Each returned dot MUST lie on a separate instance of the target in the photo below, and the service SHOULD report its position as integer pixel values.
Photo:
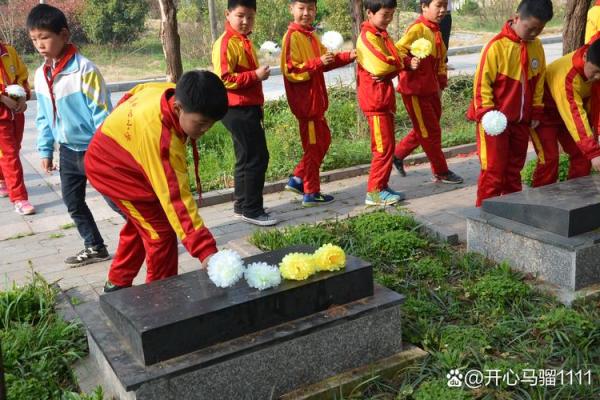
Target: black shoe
(89, 255)
(111, 287)
(261, 220)
(449, 177)
(399, 164)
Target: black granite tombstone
(184, 313)
(566, 208)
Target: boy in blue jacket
(73, 101)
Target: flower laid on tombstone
(494, 122)
(15, 92)
(329, 258)
(421, 48)
(225, 268)
(332, 40)
(297, 266)
(261, 276)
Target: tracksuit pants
(502, 158)
(425, 113)
(316, 138)
(11, 169)
(252, 158)
(382, 150)
(147, 235)
(545, 140)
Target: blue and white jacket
(82, 104)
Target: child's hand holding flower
(414, 63)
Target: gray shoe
(89, 255)
(262, 220)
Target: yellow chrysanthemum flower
(330, 258)
(421, 48)
(297, 266)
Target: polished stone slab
(262, 365)
(185, 313)
(566, 208)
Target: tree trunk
(356, 10)
(169, 36)
(212, 16)
(575, 21)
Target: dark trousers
(446, 28)
(73, 183)
(252, 158)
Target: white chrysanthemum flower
(261, 275)
(15, 91)
(225, 268)
(270, 48)
(332, 40)
(494, 123)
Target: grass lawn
(38, 346)
(466, 312)
(348, 147)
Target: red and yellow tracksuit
(12, 71)
(235, 62)
(592, 27)
(566, 121)
(592, 33)
(138, 159)
(421, 91)
(510, 79)
(378, 57)
(307, 96)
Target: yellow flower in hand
(297, 266)
(421, 48)
(330, 258)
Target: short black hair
(232, 4)
(48, 18)
(593, 53)
(425, 2)
(376, 5)
(202, 92)
(540, 9)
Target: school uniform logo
(535, 63)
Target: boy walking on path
(510, 79)
(421, 91)
(138, 159)
(72, 103)
(567, 118)
(303, 61)
(378, 63)
(12, 124)
(235, 62)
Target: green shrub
(438, 389)
(114, 21)
(499, 287)
(395, 246)
(469, 7)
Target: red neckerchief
(389, 44)
(253, 64)
(435, 28)
(509, 33)
(5, 78)
(171, 121)
(598, 2)
(579, 60)
(51, 73)
(308, 32)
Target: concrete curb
(226, 195)
(127, 85)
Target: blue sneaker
(294, 186)
(382, 198)
(317, 199)
(396, 193)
